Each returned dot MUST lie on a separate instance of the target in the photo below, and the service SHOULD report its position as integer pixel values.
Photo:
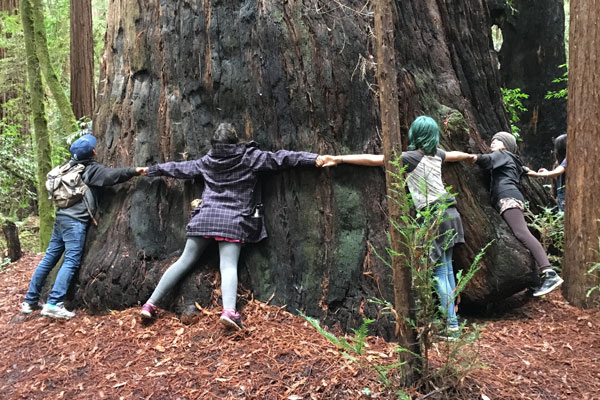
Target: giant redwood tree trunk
(295, 75)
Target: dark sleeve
(441, 154)
(184, 169)
(411, 159)
(485, 161)
(101, 175)
(260, 160)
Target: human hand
(543, 172)
(142, 170)
(472, 159)
(327, 161)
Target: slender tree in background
(41, 46)
(582, 225)
(392, 146)
(82, 59)
(10, 6)
(38, 112)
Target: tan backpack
(65, 185)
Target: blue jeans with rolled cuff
(68, 236)
(445, 285)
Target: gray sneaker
(550, 281)
(57, 311)
(27, 308)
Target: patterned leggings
(229, 253)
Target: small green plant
(353, 348)
(595, 270)
(550, 224)
(513, 105)
(562, 93)
(419, 231)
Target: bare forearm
(454, 156)
(370, 160)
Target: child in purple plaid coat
(228, 214)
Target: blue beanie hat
(83, 148)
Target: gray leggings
(229, 253)
(516, 220)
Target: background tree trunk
(294, 75)
(582, 217)
(67, 117)
(385, 18)
(82, 59)
(532, 50)
(10, 6)
(38, 112)
(13, 244)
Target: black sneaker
(550, 281)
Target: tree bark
(392, 147)
(532, 51)
(296, 75)
(11, 234)
(82, 59)
(582, 214)
(67, 117)
(41, 139)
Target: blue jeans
(68, 236)
(560, 198)
(445, 286)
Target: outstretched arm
(453, 156)
(369, 160)
(530, 172)
(543, 172)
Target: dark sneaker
(27, 308)
(231, 319)
(550, 281)
(57, 311)
(149, 311)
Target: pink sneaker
(231, 319)
(149, 311)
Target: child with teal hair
(423, 164)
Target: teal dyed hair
(424, 134)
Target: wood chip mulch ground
(544, 349)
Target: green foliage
(562, 93)
(18, 194)
(513, 106)
(550, 224)
(594, 271)
(510, 4)
(354, 349)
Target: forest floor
(538, 349)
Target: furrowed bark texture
(295, 75)
(82, 59)
(582, 214)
